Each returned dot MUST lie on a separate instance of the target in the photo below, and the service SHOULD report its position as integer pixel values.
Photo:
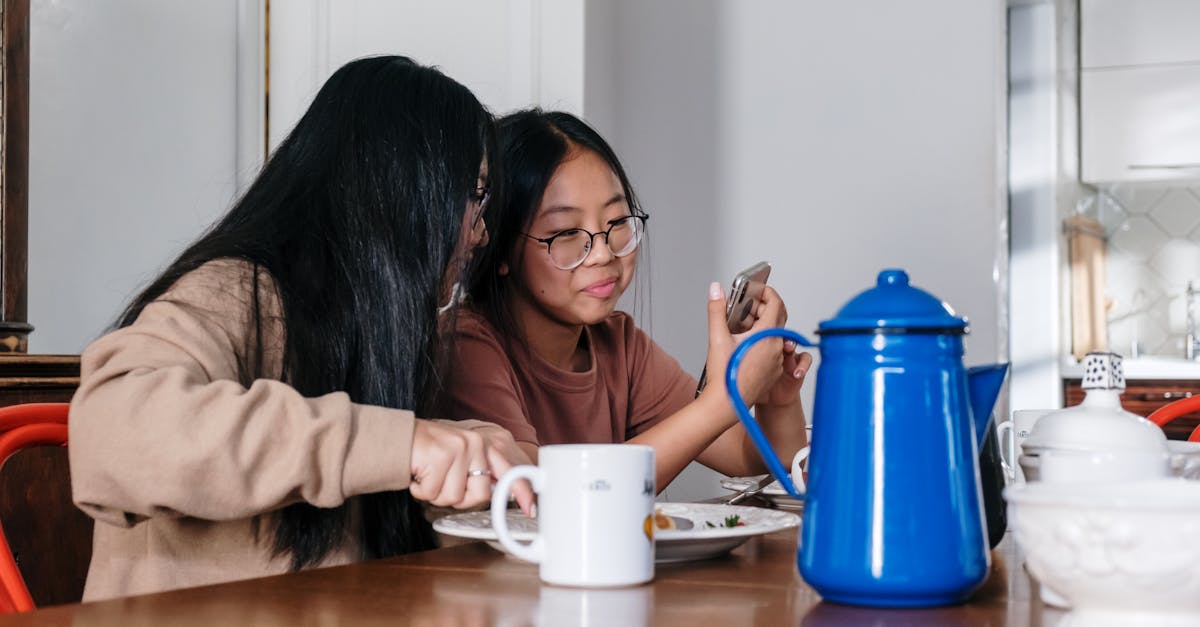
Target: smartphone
(747, 288)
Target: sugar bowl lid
(1082, 428)
(1099, 423)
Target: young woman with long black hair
(254, 411)
(543, 351)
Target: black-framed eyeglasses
(481, 196)
(569, 248)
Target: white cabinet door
(1118, 33)
(1140, 123)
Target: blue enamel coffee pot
(893, 515)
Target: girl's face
(584, 193)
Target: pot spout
(984, 383)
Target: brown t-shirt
(631, 386)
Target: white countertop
(1148, 367)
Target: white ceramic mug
(595, 514)
(1017, 430)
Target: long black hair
(533, 143)
(356, 218)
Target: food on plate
(730, 521)
(657, 520)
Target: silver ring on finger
(479, 472)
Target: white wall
(831, 139)
(133, 116)
(147, 117)
(511, 54)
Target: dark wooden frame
(14, 177)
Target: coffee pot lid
(894, 306)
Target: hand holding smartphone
(747, 289)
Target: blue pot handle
(743, 412)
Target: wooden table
(475, 585)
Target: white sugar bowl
(1185, 459)
(1125, 549)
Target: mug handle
(1010, 468)
(743, 412)
(799, 462)
(533, 551)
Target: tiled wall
(1153, 251)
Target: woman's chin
(597, 313)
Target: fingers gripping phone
(747, 289)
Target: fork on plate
(751, 490)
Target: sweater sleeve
(163, 426)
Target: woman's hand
(763, 364)
(456, 467)
(794, 367)
(786, 390)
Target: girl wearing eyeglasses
(544, 353)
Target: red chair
(1171, 411)
(32, 413)
(23, 426)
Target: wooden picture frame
(14, 175)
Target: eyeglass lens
(481, 198)
(570, 248)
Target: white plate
(774, 492)
(671, 545)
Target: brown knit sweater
(183, 460)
